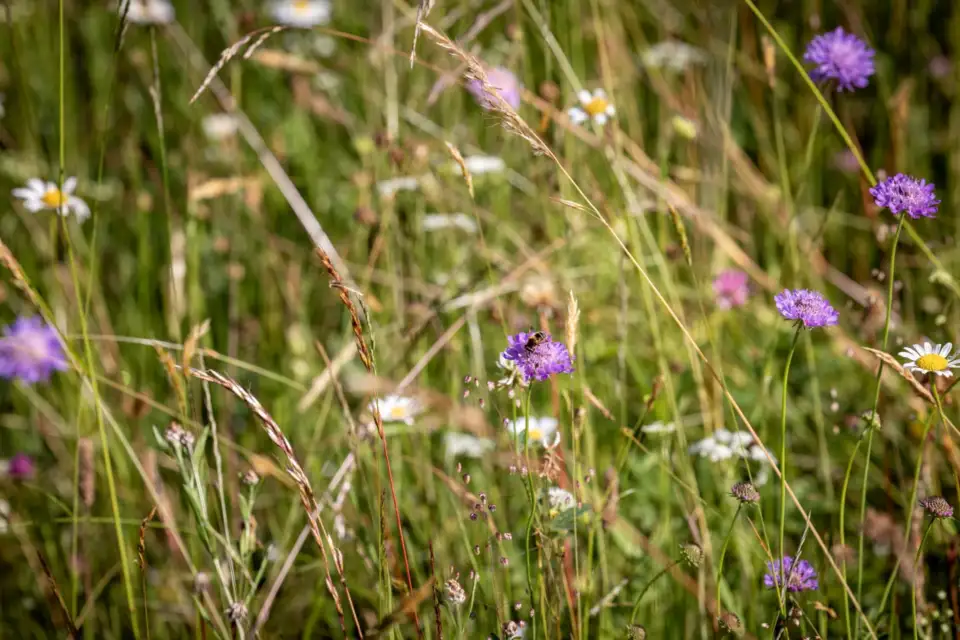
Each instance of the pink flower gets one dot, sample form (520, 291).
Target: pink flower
(731, 289)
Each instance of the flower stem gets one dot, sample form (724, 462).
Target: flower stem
(723, 553)
(916, 571)
(843, 542)
(876, 403)
(783, 444)
(910, 509)
(636, 606)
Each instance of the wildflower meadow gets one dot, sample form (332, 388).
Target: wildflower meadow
(479, 319)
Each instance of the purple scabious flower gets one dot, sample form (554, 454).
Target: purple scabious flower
(541, 361)
(905, 193)
(937, 507)
(731, 289)
(30, 351)
(842, 57)
(800, 576)
(20, 467)
(504, 81)
(808, 307)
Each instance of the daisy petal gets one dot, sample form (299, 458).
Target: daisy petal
(23, 193)
(34, 205)
(69, 185)
(36, 185)
(946, 349)
(584, 96)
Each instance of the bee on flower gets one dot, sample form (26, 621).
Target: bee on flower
(39, 195)
(932, 359)
(593, 106)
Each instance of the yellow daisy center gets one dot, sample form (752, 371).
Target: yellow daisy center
(596, 106)
(932, 362)
(54, 199)
(300, 5)
(397, 413)
(536, 434)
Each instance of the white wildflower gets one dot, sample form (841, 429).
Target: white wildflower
(541, 430)
(39, 195)
(301, 13)
(147, 11)
(396, 408)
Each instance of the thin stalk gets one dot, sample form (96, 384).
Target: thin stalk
(108, 466)
(723, 553)
(910, 509)
(876, 403)
(783, 445)
(636, 606)
(913, 588)
(843, 542)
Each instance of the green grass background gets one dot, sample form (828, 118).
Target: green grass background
(758, 187)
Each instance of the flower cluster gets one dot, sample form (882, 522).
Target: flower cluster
(937, 507)
(503, 81)
(731, 289)
(538, 360)
(906, 194)
(30, 351)
(799, 576)
(842, 57)
(808, 307)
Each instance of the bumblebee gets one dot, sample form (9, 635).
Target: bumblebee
(535, 339)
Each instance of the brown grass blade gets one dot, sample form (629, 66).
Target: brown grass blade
(892, 362)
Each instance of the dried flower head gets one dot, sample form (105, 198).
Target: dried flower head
(799, 576)
(30, 351)
(250, 478)
(512, 629)
(731, 289)
(927, 358)
(902, 193)
(178, 436)
(503, 81)
(842, 57)
(538, 359)
(201, 582)
(745, 492)
(808, 307)
(692, 555)
(454, 593)
(636, 632)
(236, 613)
(731, 623)
(937, 507)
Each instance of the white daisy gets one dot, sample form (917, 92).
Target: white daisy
(39, 195)
(592, 105)
(559, 500)
(301, 13)
(542, 430)
(672, 55)
(465, 445)
(927, 358)
(659, 427)
(220, 126)
(436, 221)
(398, 409)
(147, 11)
